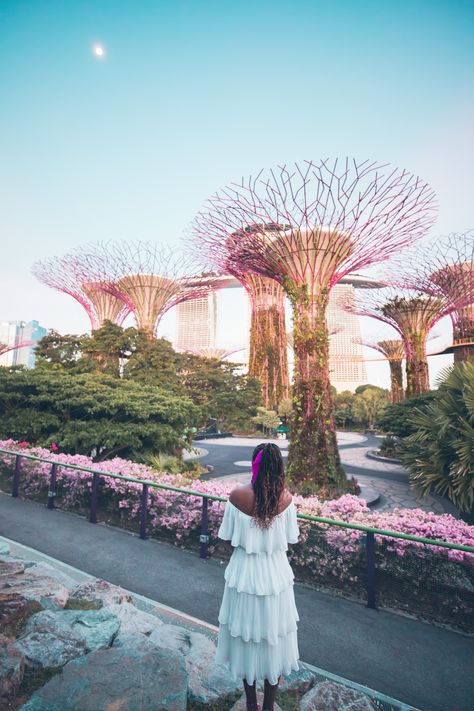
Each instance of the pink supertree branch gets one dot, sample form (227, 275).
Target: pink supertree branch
(6, 347)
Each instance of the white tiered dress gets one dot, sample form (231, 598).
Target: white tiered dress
(258, 616)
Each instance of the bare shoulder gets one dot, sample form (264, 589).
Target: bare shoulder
(285, 500)
(243, 498)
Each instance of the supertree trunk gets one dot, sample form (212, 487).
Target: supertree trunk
(418, 380)
(313, 463)
(268, 359)
(397, 394)
(463, 335)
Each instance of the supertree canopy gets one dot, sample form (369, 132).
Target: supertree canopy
(212, 353)
(394, 351)
(150, 279)
(306, 227)
(446, 266)
(83, 274)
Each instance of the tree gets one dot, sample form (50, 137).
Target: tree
(343, 402)
(439, 452)
(57, 351)
(268, 419)
(395, 419)
(369, 404)
(220, 391)
(92, 414)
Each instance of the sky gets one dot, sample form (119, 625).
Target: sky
(191, 95)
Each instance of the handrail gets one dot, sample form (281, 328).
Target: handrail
(213, 497)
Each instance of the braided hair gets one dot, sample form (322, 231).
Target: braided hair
(269, 485)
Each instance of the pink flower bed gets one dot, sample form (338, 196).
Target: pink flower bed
(180, 514)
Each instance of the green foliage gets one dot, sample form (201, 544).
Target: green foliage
(343, 402)
(368, 405)
(220, 391)
(395, 418)
(440, 450)
(217, 389)
(57, 351)
(285, 407)
(91, 413)
(267, 419)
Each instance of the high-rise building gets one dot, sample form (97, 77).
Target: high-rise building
(12, 333)
(346, 365)
(196, 323)
(197, 327)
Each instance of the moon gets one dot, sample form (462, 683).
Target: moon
(99, 51)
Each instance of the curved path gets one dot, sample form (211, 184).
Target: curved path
(231, 457)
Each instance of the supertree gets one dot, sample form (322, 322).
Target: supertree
(83, 274)
(150, 279)
(394, 351)
(412, 313)
(446, 266)
(337, 217)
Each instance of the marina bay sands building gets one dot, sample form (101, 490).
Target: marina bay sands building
(200, 323)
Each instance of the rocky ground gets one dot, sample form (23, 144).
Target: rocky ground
(64, 644)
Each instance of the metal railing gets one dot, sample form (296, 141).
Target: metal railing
(370, 543)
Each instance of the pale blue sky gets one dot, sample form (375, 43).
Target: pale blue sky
(192, 95)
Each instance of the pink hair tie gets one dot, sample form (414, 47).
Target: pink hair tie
(256, 466)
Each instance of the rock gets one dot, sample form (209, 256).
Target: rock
(12, 667)
(208, 683)
(4, 548)
(241, 704)
(9, 569)
(41, 583)
(13, 611)
(53, 638)
(134, 676)
(132, 620)
(329, 696)
(299, 681)
(101, 592)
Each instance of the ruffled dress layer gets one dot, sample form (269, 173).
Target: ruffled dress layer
(258, 617)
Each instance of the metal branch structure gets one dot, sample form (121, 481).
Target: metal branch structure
(307, 226)
(213, 353)
(394, 351)
(6, 347)
(445, 267)
(150, 279)
(412, 313)
(83, 274)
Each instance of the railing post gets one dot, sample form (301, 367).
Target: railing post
(143, 511)
(16, 476)
(52, 485)
(204, 537)
(370, 550)
(93, 511)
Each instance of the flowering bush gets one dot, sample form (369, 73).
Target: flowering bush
(325, 553)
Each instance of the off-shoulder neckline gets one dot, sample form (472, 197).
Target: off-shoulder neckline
(249, 516)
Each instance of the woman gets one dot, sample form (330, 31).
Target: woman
(258, 616)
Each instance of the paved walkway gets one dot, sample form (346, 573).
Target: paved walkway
(420, 664)
(231, 459)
